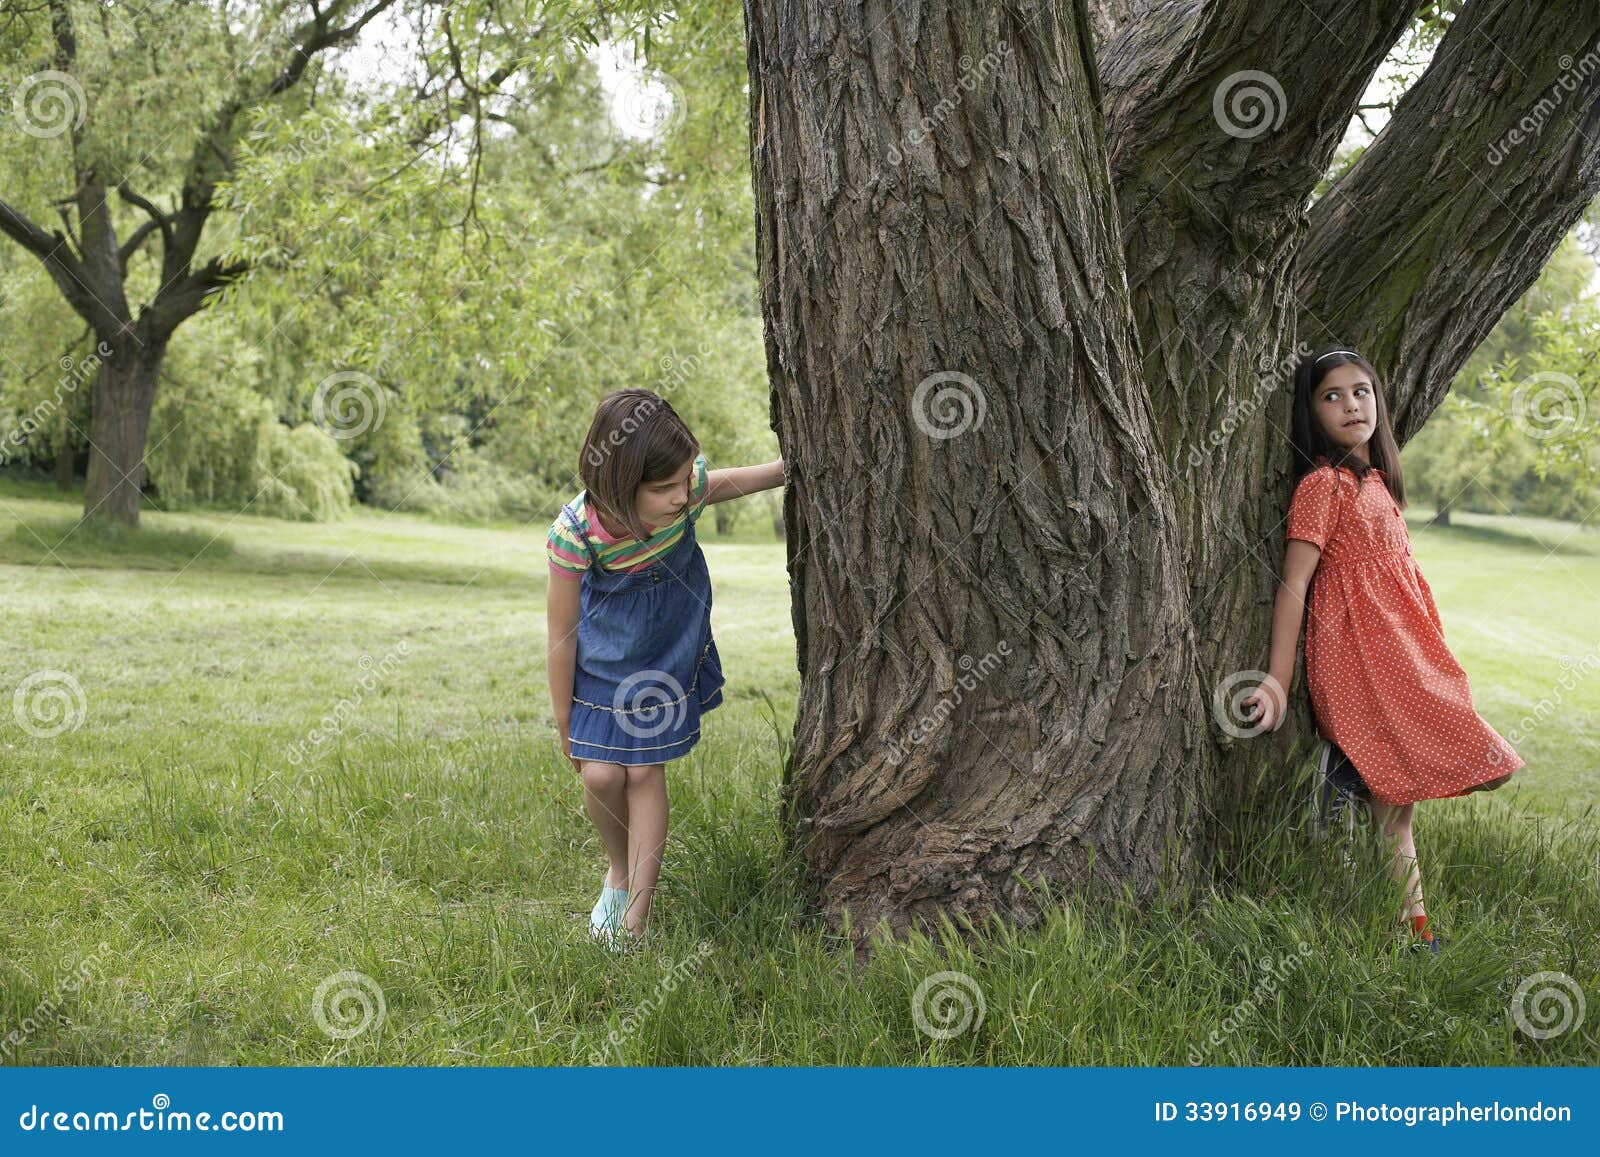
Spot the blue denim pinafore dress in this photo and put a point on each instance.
(647, 667)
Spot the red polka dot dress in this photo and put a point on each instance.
(1384, 686)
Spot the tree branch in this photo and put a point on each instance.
(1448, 217)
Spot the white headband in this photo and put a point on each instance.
(1330, 353)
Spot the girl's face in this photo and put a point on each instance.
(663, 501)
(1347, 406)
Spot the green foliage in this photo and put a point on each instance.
(216, 443)
(1517, 432)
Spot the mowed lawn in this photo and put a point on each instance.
(279, 793)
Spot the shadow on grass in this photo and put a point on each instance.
(70, 543)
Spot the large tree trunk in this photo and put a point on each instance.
(124, 394)
(1031, 352)
(996, 665)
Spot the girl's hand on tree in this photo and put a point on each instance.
(1266, 706)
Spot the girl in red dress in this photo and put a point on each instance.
(1388, 696)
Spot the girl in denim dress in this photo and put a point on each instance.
(631, 661)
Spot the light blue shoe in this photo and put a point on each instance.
(606, 918)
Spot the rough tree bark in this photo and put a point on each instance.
(1030, 346)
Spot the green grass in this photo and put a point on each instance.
(437, 843)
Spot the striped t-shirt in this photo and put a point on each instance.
(569, 559)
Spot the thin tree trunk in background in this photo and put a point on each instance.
(996, 667)
(124, 395)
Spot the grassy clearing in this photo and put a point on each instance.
(432, 840)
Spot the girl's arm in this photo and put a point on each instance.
(561, 653)
(1268, 703)
(737, 481)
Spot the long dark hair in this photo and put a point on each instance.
(636, 437)
(1310, 443)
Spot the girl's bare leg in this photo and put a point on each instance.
(605, 797)
(647, 837)
(1395, 823)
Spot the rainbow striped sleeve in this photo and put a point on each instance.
(566, 554)
(702, 487)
